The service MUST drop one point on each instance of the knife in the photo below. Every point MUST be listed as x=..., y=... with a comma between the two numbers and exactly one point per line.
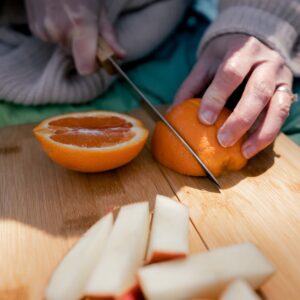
x=105, y=56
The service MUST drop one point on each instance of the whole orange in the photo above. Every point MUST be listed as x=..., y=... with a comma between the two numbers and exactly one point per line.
x=169, y=151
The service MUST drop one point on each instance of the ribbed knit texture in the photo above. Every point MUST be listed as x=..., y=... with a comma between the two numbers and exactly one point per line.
x=35, y=72
x=275, y=22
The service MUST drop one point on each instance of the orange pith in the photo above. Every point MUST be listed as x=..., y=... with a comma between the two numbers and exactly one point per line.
x=168, y=150
x=91, y=141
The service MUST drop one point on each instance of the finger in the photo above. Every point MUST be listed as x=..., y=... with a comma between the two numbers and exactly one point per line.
x=41, y=32
x=30, y=13
x=259, y=120
x=268, y=130
x=35, y=18
x=54, y=32
x=108, y=33
x=196, y=81
x=258, y=92
x=84, y=47
x=229, y=76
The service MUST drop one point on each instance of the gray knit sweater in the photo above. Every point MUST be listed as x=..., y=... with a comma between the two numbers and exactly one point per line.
x=274, y=22
x=34, y=72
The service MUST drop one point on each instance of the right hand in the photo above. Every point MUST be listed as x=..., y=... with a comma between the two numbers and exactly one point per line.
x=75, y=25
x=225, y=63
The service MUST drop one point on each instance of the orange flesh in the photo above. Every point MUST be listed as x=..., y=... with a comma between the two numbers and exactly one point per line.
x=91, y=131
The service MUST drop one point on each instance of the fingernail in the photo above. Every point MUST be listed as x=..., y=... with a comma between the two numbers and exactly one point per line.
x=85, y=71
x=225, y=139
x=249, y=151
x=120, y=53
x=208, y=117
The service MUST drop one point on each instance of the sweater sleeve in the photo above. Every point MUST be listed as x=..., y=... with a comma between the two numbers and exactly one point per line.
x=274, y=22
x=47, y=73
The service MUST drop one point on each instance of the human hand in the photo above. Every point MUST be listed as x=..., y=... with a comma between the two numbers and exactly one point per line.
x=224, y=64
x=75, y=25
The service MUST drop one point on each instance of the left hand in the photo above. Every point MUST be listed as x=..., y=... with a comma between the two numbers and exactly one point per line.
x=224, y=64
x=75, y=26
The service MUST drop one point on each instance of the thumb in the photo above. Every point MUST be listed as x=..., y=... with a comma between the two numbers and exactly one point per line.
x=84, y=48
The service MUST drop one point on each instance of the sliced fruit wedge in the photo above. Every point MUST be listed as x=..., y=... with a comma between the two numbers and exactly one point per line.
x=91, y=141
x=205, y=274
x=169, y=232
x=124, y=253
x=239, y=290
x=70, y=277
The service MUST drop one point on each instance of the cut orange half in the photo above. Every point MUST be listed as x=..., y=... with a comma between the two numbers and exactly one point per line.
x=91, y=141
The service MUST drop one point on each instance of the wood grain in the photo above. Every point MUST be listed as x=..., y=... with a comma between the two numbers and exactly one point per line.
x=44, y=209
x=261, y=204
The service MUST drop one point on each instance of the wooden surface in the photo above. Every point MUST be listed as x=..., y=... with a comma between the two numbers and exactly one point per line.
x=44, y=209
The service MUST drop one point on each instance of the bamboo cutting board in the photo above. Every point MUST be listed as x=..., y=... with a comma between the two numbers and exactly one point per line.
x=44, y=209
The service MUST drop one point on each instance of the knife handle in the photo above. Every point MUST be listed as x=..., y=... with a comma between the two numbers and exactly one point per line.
x=104, y=52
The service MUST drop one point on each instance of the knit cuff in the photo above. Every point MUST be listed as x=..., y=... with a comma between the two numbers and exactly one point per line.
x=275, y=32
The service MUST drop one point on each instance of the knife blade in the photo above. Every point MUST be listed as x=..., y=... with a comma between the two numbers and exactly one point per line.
x=105, y=54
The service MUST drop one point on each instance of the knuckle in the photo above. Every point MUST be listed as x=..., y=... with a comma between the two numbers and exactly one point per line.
x=213, y=100
x=54, y=32
x=231, y=72
x=278, y=58
x=267, y=138
x=32, y=28
x=243, y=121
x=283, y=110
x=78, y=21
x=36, y=29
x=263, y=90
x=53, y=36
x=40, y=33
x=254, y=45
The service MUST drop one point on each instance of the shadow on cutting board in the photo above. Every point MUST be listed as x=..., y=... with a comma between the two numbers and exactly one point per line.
x=255, y=167
x=39, y=193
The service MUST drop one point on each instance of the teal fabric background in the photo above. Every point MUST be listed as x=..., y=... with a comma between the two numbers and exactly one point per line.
x=158, y=75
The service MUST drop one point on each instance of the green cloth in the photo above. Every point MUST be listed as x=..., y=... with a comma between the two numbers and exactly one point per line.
x=158, y=75
x=292, y=125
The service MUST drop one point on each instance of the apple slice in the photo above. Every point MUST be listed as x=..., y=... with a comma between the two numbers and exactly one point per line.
x=69, y=279
x=123, y=254
x=205, y=274
x=239, y=289
x=169, y=232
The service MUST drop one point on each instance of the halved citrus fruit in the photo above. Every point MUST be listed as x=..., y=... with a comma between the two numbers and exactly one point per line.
x=91, y=141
